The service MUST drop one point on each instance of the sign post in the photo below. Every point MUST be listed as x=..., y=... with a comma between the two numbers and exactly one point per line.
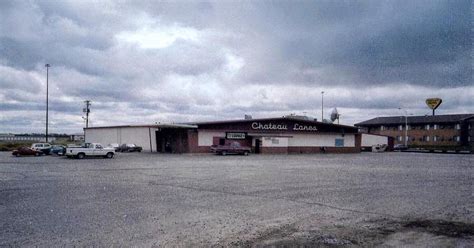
x=433, y=103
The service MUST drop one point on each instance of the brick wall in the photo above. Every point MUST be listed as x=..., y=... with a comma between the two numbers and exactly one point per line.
x=446, y=136
x=274, y=150
x=301, y=150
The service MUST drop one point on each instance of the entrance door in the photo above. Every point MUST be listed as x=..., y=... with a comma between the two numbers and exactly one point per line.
x=170, y=140
x=164, y=141
x=160, y=143
x=258, y=144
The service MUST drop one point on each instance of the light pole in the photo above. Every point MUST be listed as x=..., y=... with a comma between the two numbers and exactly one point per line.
x=406, y=126
x=47, y=100
x=322, y=105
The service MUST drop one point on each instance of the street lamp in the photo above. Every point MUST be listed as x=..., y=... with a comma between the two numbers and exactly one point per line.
x=406, y=126
x=322, y=105
x=47, y=100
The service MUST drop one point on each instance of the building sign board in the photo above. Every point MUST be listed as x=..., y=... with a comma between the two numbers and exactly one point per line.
x=284, y=127
x=433, y=103
x=230, y=135
x=269, y=126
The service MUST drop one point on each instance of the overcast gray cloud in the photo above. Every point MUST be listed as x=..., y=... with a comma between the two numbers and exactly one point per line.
x=150, y=61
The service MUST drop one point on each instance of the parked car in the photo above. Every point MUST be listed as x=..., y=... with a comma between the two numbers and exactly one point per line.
x=58, y=150
x=400, y=147
x=90, y=149
x=44, y=147
x=26, y=151
x=233, y=148
x=115, y=146
x=130, y=148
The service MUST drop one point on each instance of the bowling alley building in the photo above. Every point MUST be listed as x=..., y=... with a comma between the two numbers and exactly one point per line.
x=285, y=135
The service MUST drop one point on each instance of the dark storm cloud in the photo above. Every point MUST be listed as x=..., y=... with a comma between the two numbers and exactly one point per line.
x=416, y=42
x=176, y=61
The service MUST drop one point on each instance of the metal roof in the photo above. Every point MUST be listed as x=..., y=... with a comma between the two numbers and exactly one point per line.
x=455, y=118
x=196, y=124
x=164, y=125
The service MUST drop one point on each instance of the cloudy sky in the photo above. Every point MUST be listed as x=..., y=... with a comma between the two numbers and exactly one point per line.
x=149, y=61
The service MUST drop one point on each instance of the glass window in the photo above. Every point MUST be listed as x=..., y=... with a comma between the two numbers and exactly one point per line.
x=458, y=126
x=400, y=127
x=339, y=142
x=427, y=126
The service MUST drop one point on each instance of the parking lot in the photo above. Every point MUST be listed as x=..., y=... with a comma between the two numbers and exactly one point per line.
x=145, y=199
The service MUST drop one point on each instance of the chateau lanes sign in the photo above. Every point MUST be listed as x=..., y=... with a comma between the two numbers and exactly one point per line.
x=273, y=126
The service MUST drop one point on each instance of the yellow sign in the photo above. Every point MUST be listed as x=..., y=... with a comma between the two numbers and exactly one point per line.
x=433, y=103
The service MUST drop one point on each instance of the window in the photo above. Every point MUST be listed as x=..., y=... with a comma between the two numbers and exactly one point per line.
x=458, y=126
x=456, y=138
x=339, y=142
x=400, y=127
x=427, y=126
x=399, y=138
x=221, y=141
x=426, y=138
x=436, y=138
x=382, y=128
x=408, y=127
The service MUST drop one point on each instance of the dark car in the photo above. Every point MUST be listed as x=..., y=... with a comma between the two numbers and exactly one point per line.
x=58, y=150
x=130, y=148
x=26, y=151
x=115, y=146
x=233, y=148
x=400, y=147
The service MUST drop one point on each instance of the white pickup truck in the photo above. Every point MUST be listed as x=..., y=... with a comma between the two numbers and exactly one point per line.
x=90, y=149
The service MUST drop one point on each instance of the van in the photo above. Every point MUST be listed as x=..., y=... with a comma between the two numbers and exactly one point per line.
x=44, y=147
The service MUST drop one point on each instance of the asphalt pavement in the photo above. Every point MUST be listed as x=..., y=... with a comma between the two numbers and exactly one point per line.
x=147, y=199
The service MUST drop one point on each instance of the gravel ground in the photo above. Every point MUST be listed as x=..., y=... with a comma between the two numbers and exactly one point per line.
x=326, y=200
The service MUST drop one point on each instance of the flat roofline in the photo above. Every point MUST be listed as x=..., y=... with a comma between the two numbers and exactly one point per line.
x=169, y=125
x=269, y=119
x=415, y=119
x=195, y=125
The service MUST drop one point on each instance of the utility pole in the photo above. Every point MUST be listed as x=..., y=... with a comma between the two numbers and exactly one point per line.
x=47, y=100
x=322, y=105
x=87, y=110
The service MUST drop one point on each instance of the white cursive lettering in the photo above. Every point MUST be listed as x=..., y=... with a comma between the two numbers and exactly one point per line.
x=298, y=127
x=268, y=126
